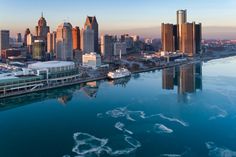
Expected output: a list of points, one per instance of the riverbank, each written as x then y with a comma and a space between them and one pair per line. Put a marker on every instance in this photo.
204, 58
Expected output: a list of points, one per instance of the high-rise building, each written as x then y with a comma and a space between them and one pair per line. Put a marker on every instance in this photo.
119, 48
29, 39
191, 38
169, 37
51, 42
42, 29
91, 21
181, 16
64, 46
39, 50
183, 37
4, 40
107, 45
181, 19
27, 32
87, 40
92, 60
18, 38
76, 38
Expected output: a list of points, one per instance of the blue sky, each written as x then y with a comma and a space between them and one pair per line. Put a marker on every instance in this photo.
112, 15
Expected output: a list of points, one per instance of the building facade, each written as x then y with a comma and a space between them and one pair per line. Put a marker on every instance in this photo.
107, 45
120, 48
92, 60
76, 38
39, 50
87, 40
92, 23
64, 47
41, 30
4, 40
169, 37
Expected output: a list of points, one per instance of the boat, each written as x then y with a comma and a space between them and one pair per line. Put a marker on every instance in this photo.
119, 73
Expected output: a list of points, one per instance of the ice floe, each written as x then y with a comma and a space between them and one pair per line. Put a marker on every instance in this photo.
87, 145
221, 113
215, 151
120, 126
160, 128
174, 120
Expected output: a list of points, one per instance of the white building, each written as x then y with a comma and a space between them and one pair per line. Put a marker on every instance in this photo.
92, 60
53, 66
87, 40
120, 48
64, 45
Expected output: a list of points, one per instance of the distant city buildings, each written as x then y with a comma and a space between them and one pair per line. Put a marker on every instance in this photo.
183, 37
120, 48
92, 60
64, 47
92, 23
18, 38
27, 32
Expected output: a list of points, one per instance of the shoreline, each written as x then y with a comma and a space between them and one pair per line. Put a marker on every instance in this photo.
203, 59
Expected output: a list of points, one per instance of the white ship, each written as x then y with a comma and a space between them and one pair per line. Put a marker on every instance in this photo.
119, 73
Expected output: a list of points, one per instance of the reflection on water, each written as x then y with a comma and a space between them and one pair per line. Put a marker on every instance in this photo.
158, 113
187, 78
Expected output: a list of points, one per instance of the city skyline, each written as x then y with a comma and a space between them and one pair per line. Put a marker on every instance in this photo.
119, 17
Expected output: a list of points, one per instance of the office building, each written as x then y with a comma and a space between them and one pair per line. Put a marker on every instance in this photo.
19, 38
76, 38
64, 47
191, 38
39, 50
169, 37
27, 32
92, 23
4, 40
42, 29
120, 48
91, 60
51, 42
87, 40
107, 45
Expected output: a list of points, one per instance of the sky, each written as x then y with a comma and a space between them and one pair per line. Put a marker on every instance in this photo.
120, 16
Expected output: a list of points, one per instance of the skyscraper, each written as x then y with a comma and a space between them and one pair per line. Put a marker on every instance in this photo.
39, 50
76, 38
87, 40
4, 40
19, 38
107, 45
64, 47
169, 37
42, 29
181, 16
27, 32
191, 38
51, 42
181, 19
183, 37
91, 21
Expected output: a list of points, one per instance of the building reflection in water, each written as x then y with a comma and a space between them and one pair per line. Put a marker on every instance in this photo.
188, 78
90, 89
